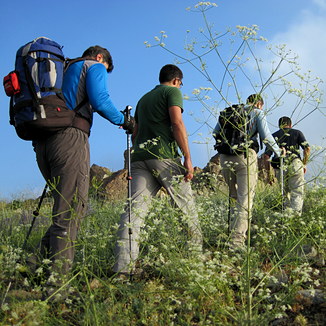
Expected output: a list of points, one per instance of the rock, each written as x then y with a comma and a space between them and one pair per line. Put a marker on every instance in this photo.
213, 166
99, 173
311, 297
115, 187
209, 179
263, 174
311, 254
280, 279
215, 159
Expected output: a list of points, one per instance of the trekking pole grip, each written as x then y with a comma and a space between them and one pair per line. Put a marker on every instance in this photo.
127, 111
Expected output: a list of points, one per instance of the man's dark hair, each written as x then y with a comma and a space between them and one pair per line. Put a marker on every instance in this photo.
254, 98
284, 122
169, 72
93, 51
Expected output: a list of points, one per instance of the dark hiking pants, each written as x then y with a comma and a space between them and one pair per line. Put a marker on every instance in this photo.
63, 160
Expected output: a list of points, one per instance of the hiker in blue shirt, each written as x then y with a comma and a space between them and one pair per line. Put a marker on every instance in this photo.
64, 161
240, 171
93, 74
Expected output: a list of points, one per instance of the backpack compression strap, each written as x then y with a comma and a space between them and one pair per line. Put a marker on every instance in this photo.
30, 84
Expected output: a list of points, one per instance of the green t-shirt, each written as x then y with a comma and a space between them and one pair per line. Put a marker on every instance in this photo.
154, 138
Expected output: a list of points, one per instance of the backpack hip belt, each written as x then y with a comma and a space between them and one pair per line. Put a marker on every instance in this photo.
82, 124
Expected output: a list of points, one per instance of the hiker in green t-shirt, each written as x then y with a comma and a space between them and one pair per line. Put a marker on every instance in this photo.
155, 163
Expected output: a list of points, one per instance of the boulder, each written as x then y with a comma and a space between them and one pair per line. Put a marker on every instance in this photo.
209, 178
311, 297
263, 174
115, 187
98, 173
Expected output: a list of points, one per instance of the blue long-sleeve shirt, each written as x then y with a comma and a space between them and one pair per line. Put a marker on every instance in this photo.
88, 80
258, 123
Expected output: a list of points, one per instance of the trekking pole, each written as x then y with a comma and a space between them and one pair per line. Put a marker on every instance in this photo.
282, 181
229, 215
35, 214
129, 177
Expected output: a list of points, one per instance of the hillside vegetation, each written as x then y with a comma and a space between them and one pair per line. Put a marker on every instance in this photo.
279, 280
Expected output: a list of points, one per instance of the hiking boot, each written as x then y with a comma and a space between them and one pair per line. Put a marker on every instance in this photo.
125, 277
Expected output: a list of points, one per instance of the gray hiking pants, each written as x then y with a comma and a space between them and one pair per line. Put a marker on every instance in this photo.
64, 163
293, 179
147, 179
241, 176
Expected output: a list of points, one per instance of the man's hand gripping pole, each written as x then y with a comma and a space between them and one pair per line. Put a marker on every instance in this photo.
127, 114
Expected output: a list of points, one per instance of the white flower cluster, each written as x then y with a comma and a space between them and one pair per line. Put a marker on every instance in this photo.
149, 143
205, 4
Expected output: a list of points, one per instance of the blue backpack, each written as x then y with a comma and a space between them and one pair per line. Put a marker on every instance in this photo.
37, 106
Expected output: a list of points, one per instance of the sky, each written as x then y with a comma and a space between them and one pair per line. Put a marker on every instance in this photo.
123, 27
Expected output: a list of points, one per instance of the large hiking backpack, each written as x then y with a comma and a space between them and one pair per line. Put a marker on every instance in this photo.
232, 138
37, 106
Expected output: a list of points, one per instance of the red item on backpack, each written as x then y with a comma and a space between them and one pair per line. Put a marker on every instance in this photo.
11, 84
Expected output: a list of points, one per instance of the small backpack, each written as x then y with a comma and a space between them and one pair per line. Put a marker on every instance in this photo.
37, 106
232, 138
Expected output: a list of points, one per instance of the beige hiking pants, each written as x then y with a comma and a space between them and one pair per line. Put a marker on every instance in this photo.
147, 178
241, 175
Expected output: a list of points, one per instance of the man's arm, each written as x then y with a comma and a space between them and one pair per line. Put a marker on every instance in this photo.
306, 154
265, 133
306, 149
98, 94
180, 135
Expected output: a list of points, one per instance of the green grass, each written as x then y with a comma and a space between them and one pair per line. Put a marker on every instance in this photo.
176, 287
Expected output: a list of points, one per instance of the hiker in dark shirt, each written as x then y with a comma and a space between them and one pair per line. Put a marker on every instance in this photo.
293, 168
159, 123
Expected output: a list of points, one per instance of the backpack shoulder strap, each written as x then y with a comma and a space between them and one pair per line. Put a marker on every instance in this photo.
11, 112
68, 62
